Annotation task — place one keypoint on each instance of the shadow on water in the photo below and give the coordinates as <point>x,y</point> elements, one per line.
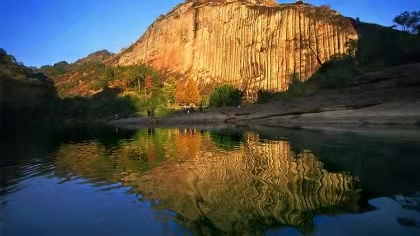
<point>227,139</point>
<point>28,152</point>
<point>223,182</point>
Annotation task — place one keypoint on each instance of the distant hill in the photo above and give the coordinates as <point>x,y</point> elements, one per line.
<point>63,67</point>
<point>24,93</point>
<point>29,97</point>
<point>98,56</point>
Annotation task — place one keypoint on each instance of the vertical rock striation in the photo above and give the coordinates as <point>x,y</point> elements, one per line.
<point>264,182</point>
<point>247,44</point>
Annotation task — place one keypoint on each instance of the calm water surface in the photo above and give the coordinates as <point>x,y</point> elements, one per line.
<point>179,181</point>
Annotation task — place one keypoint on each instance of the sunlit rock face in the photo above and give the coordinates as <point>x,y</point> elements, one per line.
<point>249,44</point>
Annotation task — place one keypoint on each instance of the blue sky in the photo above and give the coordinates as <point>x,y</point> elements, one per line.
<point>39,32</point>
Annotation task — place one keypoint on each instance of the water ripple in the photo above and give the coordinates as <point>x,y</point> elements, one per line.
<point>209,182</point>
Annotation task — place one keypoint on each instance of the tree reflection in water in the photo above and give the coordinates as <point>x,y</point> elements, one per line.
<point>212,190</point>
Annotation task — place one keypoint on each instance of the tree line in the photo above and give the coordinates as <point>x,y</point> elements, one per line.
<point>408,22</point>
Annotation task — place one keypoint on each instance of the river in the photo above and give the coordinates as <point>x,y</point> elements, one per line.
<point>99,180</point>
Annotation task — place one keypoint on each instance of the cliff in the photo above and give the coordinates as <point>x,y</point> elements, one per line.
<point>250,44</point>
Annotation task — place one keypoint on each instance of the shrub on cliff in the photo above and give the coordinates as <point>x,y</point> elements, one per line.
<point>225,95</point>
<point>264,96</point>
<point>297,88</point>
<point>335,73</point>
<point>385,46</point>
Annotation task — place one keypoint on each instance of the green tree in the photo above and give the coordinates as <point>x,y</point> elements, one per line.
<point>169,91</point>
<point>408,21</point>
<point>157,99</point>
<point>6,59</point>
<point>225,95</point>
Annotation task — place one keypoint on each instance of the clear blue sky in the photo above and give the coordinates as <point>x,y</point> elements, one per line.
<point>39,32</point>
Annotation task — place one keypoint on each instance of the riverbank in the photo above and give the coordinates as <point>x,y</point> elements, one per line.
<point>389,97</point>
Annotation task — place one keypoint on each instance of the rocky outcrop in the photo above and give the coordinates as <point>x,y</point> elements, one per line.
<point>250,45</point>
<point>98,56</point>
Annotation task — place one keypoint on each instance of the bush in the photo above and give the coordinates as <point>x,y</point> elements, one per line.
<point>297,88</point>
<point>335,73</point>
<point>204,102</point>
<point>339,60</point>
<point>225,95</point>
<point>264,96</point>
<point>5,73</point>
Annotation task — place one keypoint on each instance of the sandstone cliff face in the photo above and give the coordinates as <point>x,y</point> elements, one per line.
<point>249,45</point>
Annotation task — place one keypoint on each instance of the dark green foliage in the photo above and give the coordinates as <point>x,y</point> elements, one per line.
<point>337,61</point>
<point>264,96</point>
<point>376,48</point>
<point>226,139</point>
<point>380,46</point>
<point>61,68</point>
<point>225,95</point>
<point>24,99</point>
<point>9,67</point>
<point>297,88</point>
<point>98,56</point>
<point>32,97</point>
<point>337,72</point>
<point>203,102</point>
<point>408,21</point>
<point>128,83</point>
<point>18,82</point>
<point>102,105</point>
<point>383,46</point>
<point>157,99</point>
<point>334,73</point>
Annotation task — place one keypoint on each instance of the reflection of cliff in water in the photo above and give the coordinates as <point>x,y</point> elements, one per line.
<point>386,161</point>
<point>246,190</point>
